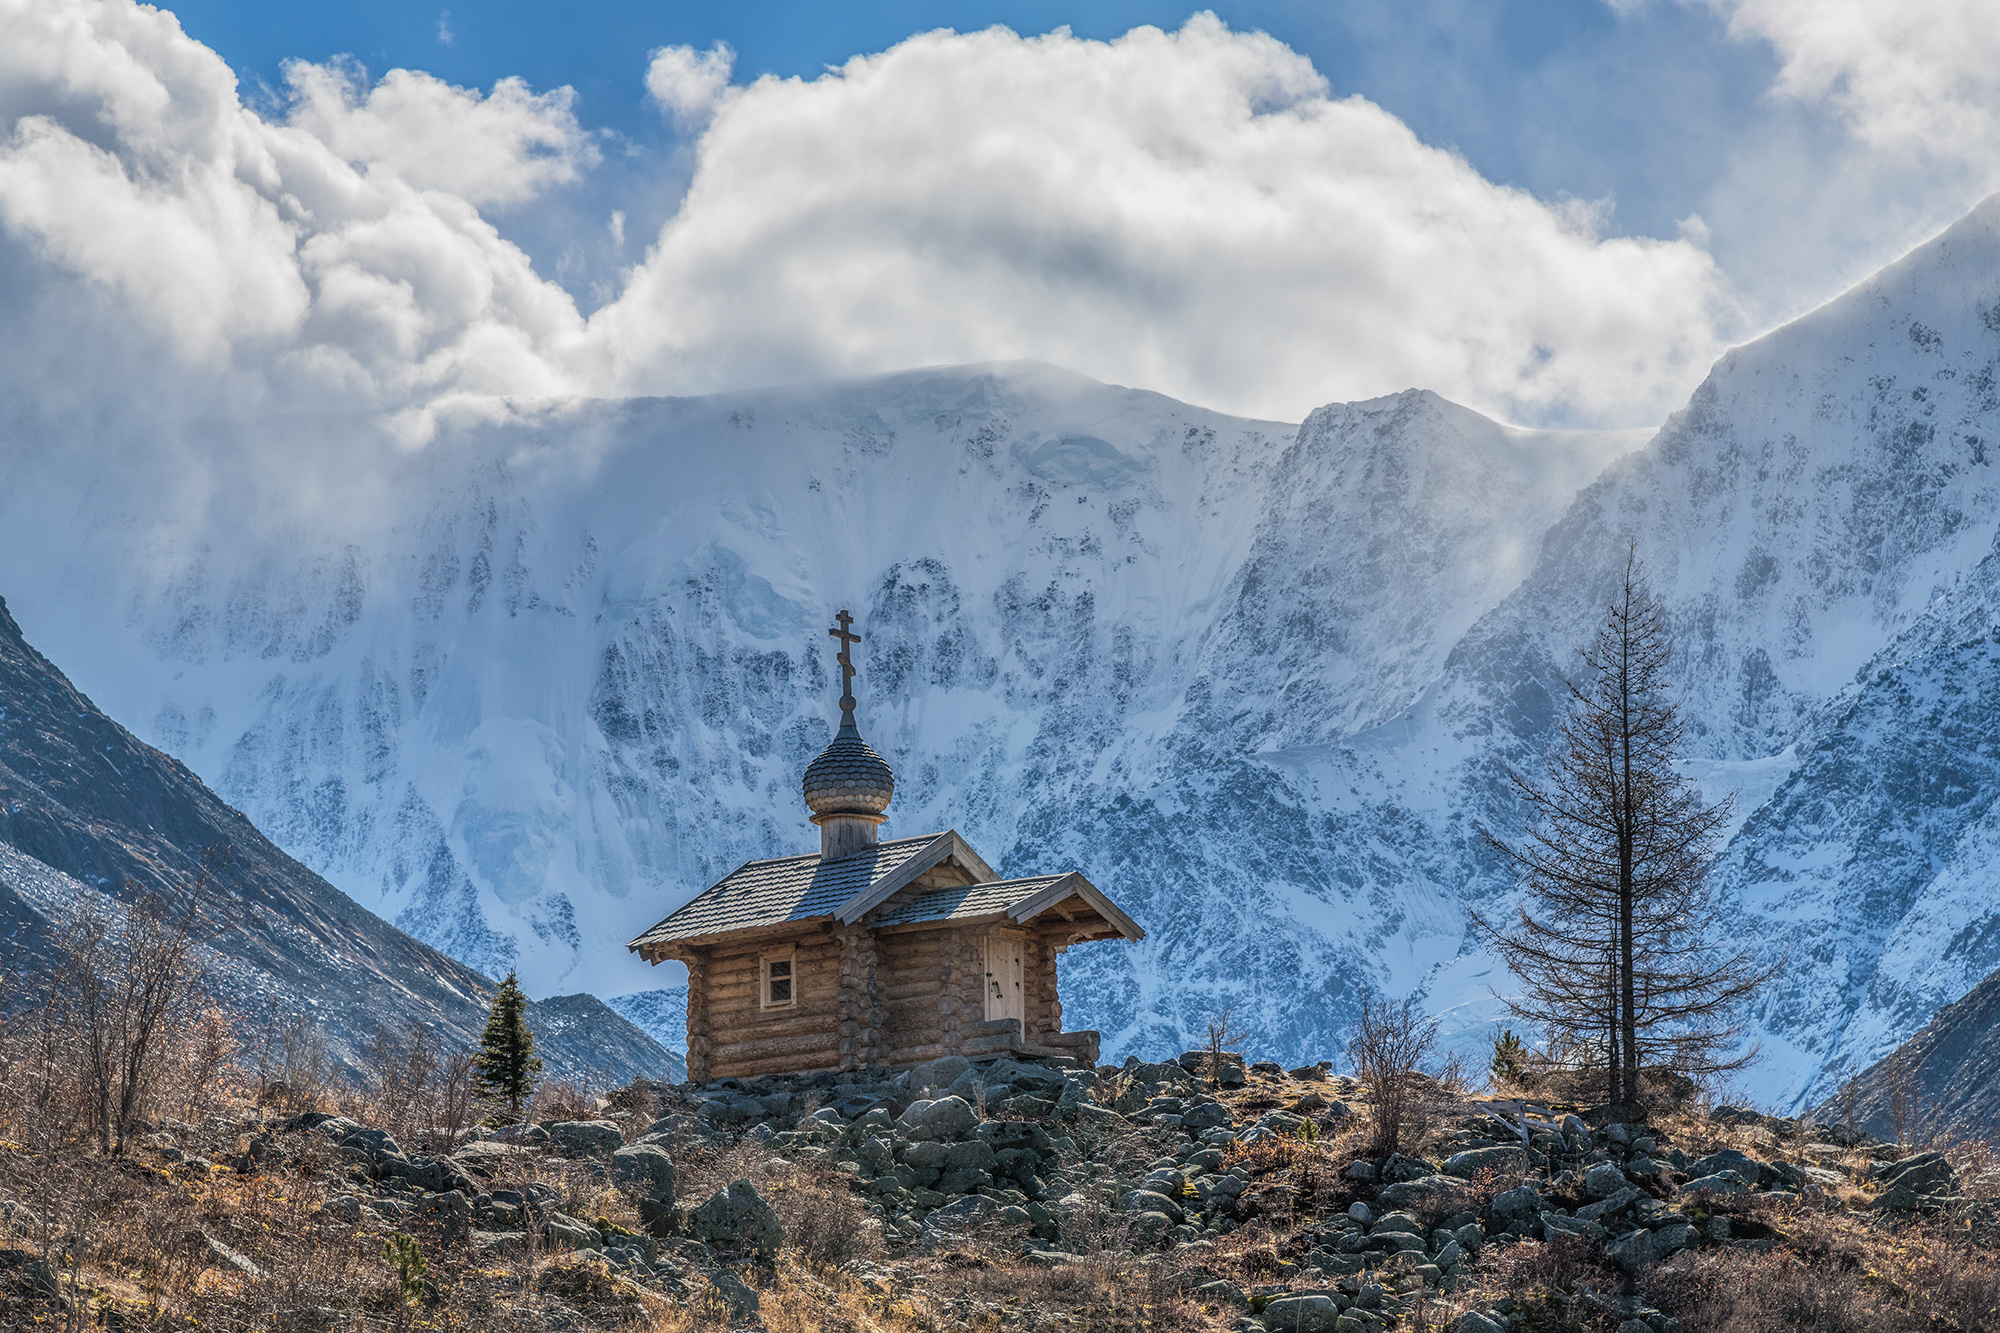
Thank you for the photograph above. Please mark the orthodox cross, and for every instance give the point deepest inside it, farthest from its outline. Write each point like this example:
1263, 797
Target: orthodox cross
847, 672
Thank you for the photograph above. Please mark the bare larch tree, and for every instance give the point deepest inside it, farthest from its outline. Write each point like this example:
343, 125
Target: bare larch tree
1615, 940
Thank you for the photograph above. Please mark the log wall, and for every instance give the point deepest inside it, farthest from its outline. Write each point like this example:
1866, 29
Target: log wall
863, 1000
746, 1039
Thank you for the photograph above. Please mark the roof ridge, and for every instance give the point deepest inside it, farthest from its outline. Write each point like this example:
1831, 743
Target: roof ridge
816, 856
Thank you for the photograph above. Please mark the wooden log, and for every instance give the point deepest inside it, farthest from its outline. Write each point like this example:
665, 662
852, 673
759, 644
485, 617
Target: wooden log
916, 988
914, 1055
999, 1044
700, 1047
761, 1048
775, 1065
792, 1025
991, 1027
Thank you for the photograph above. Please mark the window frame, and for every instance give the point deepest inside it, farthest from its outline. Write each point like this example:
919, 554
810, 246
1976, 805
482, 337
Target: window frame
789, 957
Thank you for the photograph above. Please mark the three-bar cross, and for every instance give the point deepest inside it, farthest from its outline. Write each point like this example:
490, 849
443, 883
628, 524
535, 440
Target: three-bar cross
847, 672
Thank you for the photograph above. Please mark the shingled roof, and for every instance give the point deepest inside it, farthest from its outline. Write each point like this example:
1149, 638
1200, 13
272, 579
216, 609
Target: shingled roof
804, 888
800, 888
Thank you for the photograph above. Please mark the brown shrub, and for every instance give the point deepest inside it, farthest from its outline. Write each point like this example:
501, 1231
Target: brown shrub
825, 1224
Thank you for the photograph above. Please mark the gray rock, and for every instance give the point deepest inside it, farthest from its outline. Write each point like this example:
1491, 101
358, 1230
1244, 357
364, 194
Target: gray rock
957, 1217
1744, 1168
737, 1218
585, 1138
1477, 1323
1517, 1202
1301, 1314
945, 1118
939, 1073
1603, 1180
1430, 1196
1361, 1212
1360, 1171
735, 1293
1474, 1161
1151, 1201
341, 1208
1638, 1250
1678, 1236
500, 1244
1221, 1291
1151, 1228
1722, 1182
1925, 1174
526, 1135
1555, 1224
646, 1165
1204, 1116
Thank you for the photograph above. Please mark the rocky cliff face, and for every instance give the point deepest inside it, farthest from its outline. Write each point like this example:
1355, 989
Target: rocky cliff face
87, 809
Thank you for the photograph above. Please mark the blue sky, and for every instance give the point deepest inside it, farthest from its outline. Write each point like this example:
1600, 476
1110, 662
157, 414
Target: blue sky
1558, 97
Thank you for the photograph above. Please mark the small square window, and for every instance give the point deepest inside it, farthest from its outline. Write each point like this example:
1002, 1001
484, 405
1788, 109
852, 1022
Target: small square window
778, 982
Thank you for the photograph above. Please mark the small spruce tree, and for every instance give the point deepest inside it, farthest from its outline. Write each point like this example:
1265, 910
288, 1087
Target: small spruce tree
1510, 1061
507, 1065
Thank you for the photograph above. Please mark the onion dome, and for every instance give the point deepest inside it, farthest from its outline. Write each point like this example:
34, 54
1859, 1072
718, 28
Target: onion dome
849, 778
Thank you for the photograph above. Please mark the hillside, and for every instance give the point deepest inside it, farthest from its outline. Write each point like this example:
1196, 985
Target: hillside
1945, 1079
85, 808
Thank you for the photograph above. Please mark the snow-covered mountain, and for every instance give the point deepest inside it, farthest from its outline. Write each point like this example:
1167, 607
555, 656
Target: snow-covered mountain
577, 674
568, 665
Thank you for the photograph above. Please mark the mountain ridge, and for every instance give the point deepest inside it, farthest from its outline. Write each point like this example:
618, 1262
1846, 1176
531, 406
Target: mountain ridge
86, 809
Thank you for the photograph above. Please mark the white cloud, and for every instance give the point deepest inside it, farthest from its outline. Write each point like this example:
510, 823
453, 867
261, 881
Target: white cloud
504, 148
1188, 211
237, 264
1909, 75
688, 82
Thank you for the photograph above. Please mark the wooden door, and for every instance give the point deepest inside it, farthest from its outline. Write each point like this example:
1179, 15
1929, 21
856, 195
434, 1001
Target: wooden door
1005, 995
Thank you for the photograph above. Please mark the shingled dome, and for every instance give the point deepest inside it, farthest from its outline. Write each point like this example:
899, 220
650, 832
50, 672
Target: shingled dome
849, 778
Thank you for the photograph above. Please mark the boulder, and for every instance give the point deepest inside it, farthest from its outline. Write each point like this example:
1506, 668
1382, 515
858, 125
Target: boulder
945, 1118
1476, 1161
1204, 1116
1603, 1180
646, 1165
341, 1208
939, 1073
1641, 1248
585, 1138
1555, 1224
1029, 1078
1477, 1323
1722, 1182
563, 1232
955, 1218
1925, 1174
737, 1218
1301, 1314
1744, 1168
1517, 1202
524, 1135
1427, 1196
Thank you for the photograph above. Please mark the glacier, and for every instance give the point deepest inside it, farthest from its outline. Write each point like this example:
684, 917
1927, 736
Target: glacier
1260, 681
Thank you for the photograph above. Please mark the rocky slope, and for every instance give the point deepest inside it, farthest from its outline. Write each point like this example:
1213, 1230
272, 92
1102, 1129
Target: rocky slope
1022, 1195
1944, 1080
86, 809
